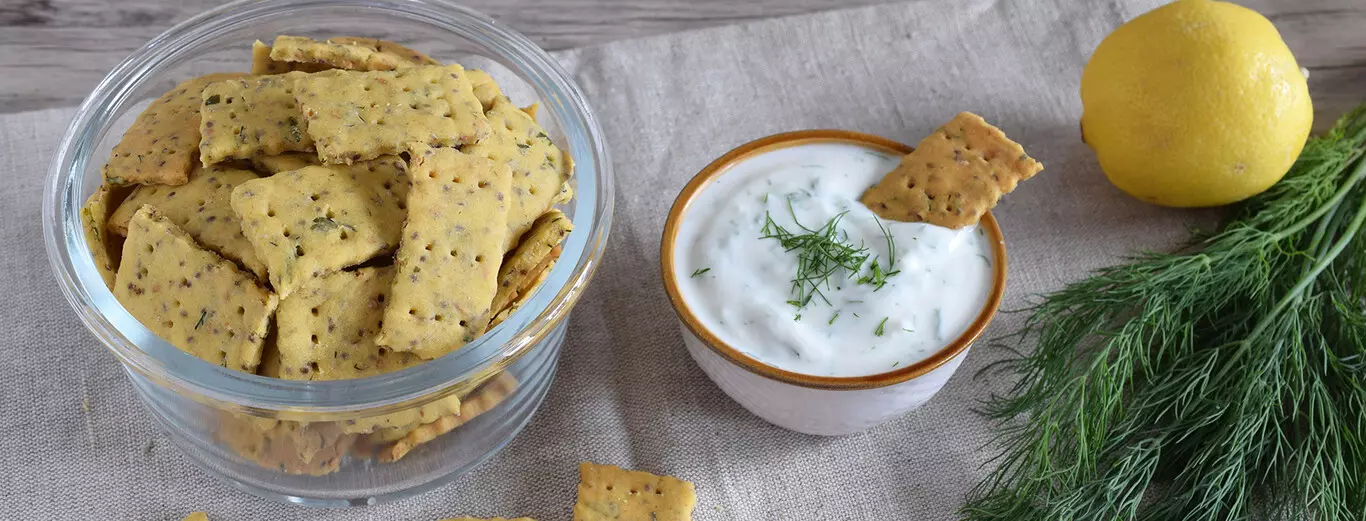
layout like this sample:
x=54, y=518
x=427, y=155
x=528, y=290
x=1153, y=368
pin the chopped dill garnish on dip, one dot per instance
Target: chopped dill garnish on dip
x=698, y=273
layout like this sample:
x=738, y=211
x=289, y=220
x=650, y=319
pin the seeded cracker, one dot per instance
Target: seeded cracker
x=485, y=89
x=283, y=162
x=351, y=53
x=316, y=220
x=361, y=115
x=538, y=276
x=537, y=251
x=190, y=296
x=201, y=208
x=328, y=327
x=451, y=250
x=248, y=117
x=482, y=400
x=160, y=145
x=467, y=518
x=196, y=516
x=261, y=64
x=610, y=493
x=954, y=176
x=540, y=173
x=104, y=248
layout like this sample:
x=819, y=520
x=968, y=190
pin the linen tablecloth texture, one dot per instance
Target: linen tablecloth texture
x=74, y=443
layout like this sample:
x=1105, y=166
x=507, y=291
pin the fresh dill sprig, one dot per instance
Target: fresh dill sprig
x=697, y=273
x=881, y=326
x=821, y=254
x=832, y=319
x=1224, y=383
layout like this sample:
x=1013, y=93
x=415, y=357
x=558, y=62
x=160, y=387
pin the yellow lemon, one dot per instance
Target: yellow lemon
x=1196, y=103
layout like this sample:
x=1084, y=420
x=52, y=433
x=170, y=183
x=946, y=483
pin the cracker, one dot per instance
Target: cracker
x=485, y=89
x=954, y=176
x=313, y=449
x=451, y=246
x=248, y=117
x=313, y=221
x=191, y=297
x=105, y=248
x=467, y=518
x=360, y=115
x=537, y=251
x=540, y=172
x=347, y=52
x=482, y=400
x=611, y=493
x=261, y=64
x=328, y=327
x=540, y=273
x=197, y=516
x=284, y=162
x=531, y=110
x=160, y=145
x=201, y=208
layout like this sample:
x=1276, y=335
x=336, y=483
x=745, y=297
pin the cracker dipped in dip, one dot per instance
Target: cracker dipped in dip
x=791, y=257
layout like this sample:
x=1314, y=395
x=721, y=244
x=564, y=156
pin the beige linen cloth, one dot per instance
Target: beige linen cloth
x=75, y=444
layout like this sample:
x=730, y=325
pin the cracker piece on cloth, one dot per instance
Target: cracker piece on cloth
x=354, y=116
x=191, y=297
x=313, y=221
x=482, y=400
x=540, y=172
x=347, y=52
x=611, y=493
x=539, y=249
x=954, y=176
x=200, y=207
x=159, y=147
x=248, y=117
x=450, y=252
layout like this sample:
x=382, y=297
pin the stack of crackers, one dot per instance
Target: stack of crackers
x=351, y=207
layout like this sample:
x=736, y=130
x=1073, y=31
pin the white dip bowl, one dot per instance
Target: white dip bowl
x=815, y=404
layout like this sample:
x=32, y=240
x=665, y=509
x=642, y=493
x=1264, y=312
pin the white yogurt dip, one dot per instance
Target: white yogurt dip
x=740, y=285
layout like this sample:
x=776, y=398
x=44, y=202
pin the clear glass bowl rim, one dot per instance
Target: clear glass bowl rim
x=142, y=351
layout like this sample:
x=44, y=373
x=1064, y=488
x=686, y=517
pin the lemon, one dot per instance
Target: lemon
x=1195, y=103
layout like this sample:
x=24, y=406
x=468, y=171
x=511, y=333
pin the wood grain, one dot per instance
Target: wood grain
x=52, y=52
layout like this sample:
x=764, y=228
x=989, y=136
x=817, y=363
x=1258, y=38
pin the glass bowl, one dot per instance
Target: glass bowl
x=297, y=441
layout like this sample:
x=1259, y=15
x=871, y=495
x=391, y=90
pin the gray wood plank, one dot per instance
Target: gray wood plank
x=52, y=52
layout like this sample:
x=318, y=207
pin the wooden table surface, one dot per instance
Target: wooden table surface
x=52, y=52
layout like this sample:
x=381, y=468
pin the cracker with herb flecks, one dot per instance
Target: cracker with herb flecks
x=159, y=147
x=540, y=174
x=327, y=329
x=611, y=493
x=328, y=325
x=954, y=176
x=249, y=117
x=284, y=162
x=201, y=208
x=261, y=64
x=538, y=276
x=347, y=52
x=105, y=248
x=482, y=400
x=485, y=89
x=313, y=221
x=452, y=245
x=354, y=116
x=191, y=297
x=537, y=251
x=312, y=449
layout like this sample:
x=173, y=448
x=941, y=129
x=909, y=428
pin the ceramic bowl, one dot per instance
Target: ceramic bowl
x=821, y=405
